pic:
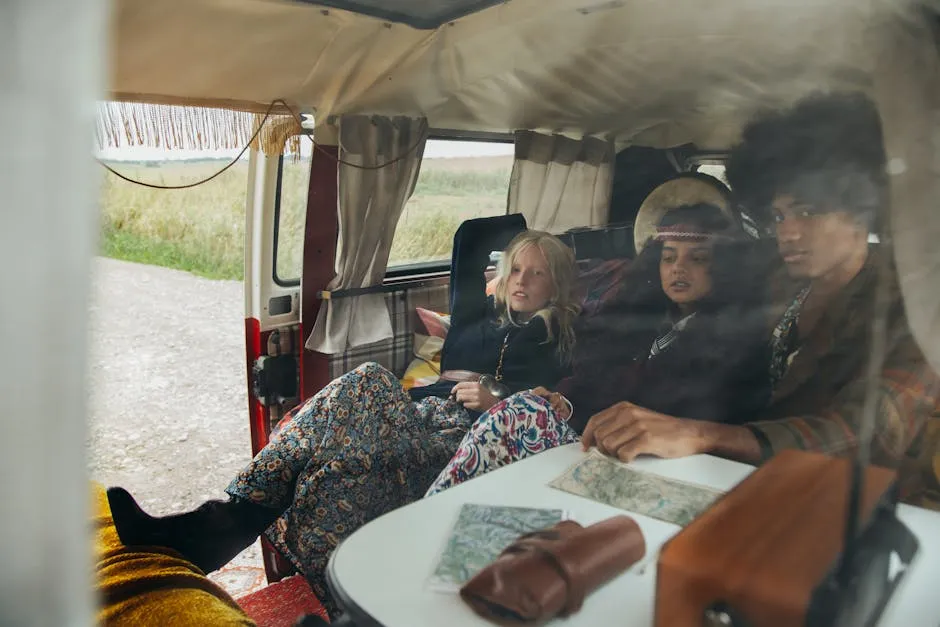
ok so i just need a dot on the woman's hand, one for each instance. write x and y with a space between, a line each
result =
557 401
473 395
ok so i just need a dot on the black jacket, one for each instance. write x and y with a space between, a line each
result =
475 338
716 369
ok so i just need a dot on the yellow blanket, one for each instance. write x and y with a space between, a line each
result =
153 585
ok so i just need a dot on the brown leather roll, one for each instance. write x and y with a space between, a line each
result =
548 573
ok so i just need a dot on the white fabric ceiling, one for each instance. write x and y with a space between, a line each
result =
646 71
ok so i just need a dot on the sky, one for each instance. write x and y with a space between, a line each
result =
435 149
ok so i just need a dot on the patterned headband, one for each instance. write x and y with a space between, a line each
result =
683 232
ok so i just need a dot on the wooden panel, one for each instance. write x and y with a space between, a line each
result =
766 545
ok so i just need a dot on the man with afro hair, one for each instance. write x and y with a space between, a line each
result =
814 176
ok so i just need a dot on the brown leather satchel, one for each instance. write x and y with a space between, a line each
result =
548 573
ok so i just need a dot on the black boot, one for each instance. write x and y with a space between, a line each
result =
209 536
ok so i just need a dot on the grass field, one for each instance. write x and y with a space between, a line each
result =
202 229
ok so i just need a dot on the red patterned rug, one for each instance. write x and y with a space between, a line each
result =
281 604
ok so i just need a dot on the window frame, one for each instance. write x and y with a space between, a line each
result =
402 271
277 227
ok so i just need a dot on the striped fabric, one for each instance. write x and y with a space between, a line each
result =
396 353
906 398
662 342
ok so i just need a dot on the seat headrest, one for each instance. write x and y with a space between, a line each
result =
614 241
687 188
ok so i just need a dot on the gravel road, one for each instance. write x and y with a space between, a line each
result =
168 415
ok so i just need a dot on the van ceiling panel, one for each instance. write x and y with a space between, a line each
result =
648 73
423 14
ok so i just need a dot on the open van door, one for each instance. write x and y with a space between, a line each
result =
274 215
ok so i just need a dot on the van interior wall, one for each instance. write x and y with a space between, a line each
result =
320 241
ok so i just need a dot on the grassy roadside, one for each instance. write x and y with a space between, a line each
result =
142 249
201 230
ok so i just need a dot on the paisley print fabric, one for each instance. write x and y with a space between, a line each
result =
357 449
785 339
518 427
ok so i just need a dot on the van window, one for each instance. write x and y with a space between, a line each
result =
459 180
713 169
290 214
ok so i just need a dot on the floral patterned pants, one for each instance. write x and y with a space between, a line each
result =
517 427
357 449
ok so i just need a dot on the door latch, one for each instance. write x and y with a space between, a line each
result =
274 379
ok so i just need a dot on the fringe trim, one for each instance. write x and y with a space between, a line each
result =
122 124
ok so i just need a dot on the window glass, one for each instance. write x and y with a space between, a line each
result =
291 211
459 180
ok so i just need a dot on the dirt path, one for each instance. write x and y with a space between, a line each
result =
167 395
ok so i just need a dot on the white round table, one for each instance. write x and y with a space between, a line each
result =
379 574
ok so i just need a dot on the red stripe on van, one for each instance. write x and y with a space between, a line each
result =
257 413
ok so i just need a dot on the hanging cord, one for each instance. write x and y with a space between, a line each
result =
267 114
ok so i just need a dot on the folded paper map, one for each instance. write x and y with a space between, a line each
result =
604 479
480 535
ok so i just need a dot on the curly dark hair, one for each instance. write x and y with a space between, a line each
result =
642 305
827 151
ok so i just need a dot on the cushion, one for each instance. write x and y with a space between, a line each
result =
430 334
435 324
425 368
599 282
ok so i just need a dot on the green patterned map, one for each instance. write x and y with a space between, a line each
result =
604 479
480 535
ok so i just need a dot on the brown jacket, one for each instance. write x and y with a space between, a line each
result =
818 403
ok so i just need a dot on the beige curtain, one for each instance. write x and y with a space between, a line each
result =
371 200
559 183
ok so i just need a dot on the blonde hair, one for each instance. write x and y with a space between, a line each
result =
563 307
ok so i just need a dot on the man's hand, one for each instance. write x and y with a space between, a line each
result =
625 431
473 395
556 400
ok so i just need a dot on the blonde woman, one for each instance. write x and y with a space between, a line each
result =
363 446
